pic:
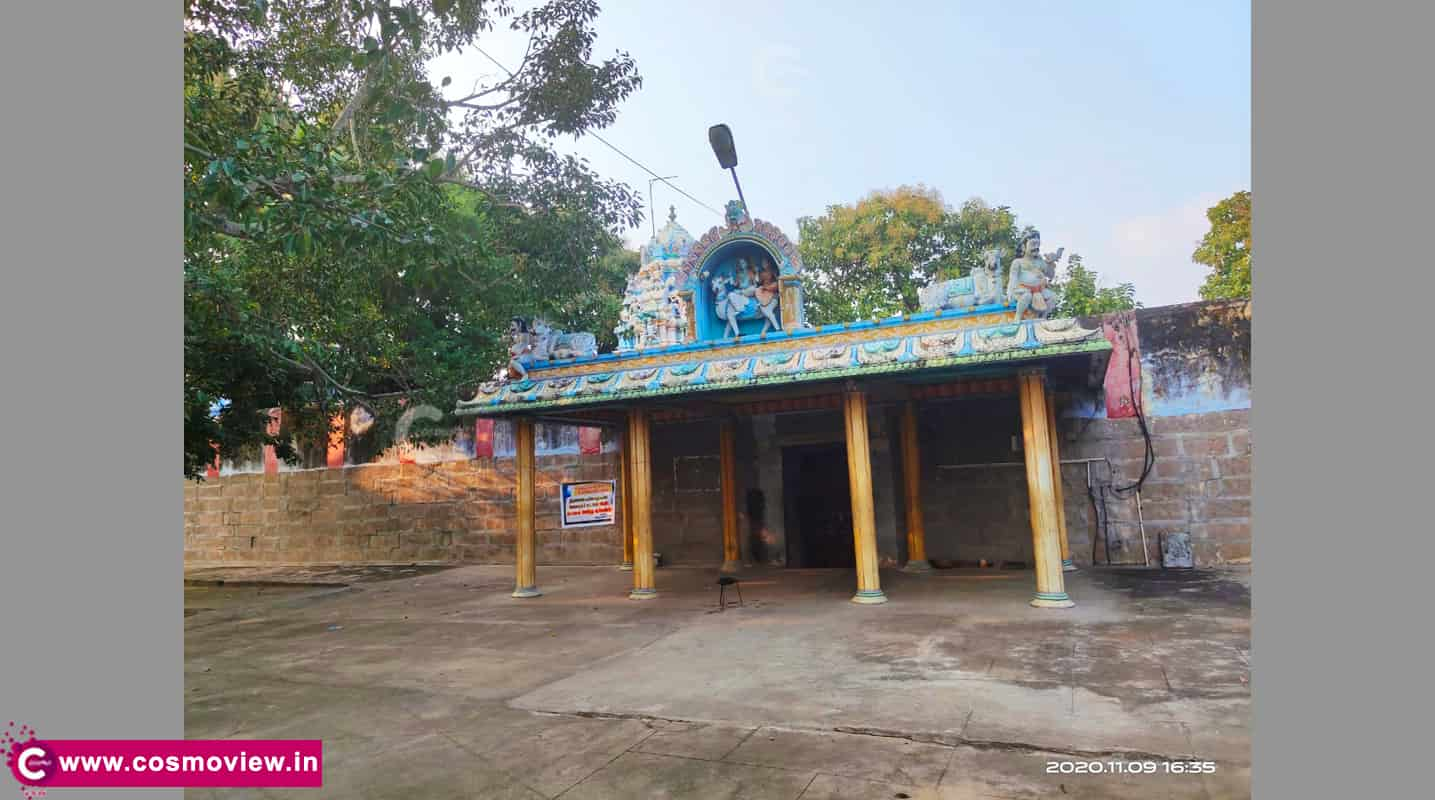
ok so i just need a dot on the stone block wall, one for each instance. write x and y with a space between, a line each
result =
687 493
460 511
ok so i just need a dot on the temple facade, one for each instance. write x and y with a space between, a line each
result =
716 360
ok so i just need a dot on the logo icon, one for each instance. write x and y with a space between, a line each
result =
31 761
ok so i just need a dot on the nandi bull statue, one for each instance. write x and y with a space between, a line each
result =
982 287
532 341
559 344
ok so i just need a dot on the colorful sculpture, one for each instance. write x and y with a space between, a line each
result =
982 287
746 293
1029 284
654 313
736 215
531 341
556 344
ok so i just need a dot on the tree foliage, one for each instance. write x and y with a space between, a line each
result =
1226 249
1081 297
356 230
870 258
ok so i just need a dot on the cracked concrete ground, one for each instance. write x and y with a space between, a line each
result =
428 683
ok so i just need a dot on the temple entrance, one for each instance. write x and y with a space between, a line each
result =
818 517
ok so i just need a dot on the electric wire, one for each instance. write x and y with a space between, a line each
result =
614 147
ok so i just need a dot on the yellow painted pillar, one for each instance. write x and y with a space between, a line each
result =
1067 564
625 500
859 476
525 582
790 287
727 451
641 501
1045 535
912 489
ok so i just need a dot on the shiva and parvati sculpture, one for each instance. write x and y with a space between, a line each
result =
744 291
750 285
1029 286
743 278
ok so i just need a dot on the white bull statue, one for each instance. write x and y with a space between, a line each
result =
550 343
980 288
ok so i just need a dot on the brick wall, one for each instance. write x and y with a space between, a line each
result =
1201 483
463 510
451 511
687 493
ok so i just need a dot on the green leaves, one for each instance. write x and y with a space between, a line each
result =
1081 297
329 256
869 259
1226 249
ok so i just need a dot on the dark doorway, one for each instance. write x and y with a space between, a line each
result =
819 506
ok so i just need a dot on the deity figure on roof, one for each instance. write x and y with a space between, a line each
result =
742 291
1030 279
736 214
767 296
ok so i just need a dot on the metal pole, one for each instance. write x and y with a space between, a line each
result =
1141 521
740 198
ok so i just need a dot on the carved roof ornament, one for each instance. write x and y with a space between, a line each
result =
671 242
744 228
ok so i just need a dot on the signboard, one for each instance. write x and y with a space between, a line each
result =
587 503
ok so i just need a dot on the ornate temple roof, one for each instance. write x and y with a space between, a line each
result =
725 312
908 343
672 242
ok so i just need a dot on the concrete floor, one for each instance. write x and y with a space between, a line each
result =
436 684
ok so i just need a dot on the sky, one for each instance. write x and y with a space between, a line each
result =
1110 126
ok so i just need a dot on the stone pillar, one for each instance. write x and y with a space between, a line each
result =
525 569
1067 565
912 491
1045 535
625 499
727 451
640 463
859 476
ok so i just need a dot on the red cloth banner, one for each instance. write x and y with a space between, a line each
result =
483 438
590 441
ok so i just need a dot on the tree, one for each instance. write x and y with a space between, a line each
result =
869 259
598 305
356 231
1226 249
1080 296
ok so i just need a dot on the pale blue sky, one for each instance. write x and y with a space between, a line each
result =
1110 126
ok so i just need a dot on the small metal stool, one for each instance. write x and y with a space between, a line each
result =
724 582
